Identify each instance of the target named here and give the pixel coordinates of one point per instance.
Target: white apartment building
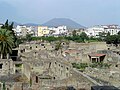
(22, 30)
(19, 29)
(113, 29)
(58, 31)
(95, 30)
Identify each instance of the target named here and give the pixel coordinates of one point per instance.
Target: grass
(18, 65)
(82, 66)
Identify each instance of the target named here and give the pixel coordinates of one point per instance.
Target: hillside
(63, 21)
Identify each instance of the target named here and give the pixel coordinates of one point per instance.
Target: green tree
(84, 36)
(113, 39)
(74, 33)
(102, 35)
(28, 37)
(6, 25)
(6, 42)
(50, 39)
(9, 27)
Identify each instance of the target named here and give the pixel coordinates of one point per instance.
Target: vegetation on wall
(82, 66)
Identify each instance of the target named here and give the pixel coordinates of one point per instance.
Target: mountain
(31, 24)
(26, 24)
(55, 22)
(63, 21)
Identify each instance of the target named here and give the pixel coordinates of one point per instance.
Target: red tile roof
(96, 55)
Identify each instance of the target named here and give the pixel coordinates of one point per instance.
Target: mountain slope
(30, 24)
(63, 21)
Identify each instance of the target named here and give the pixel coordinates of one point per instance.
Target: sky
(84, 12)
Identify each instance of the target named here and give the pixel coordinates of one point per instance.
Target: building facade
(58, 31)
(43, 31)
(22, 30)
(96, 30)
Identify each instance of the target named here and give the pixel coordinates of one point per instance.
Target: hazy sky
(85, 12)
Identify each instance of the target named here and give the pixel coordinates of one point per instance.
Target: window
(1, 66)
(21, 51)
(36, 79)
(30, 48)
(116, 66)
(112, 32)
(16, 71)
(24, 50)
(67, 68)
(42, 44)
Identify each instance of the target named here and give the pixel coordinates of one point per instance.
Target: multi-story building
(58, 31)
(43, 31)
(77, 31)
(112, 29)
(96, 30)
(22, 30)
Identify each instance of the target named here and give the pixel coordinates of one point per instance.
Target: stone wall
(6, 67)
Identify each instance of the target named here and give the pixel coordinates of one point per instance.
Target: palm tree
(6, 42)
(9, 27)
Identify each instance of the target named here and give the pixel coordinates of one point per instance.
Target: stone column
(7, 55)
(96, 59)
(1, 56)
(91, 59)
(99, 59)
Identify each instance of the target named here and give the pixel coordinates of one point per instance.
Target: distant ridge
(31, 24)
(26, 24)
(54, 23)
(63, 21)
